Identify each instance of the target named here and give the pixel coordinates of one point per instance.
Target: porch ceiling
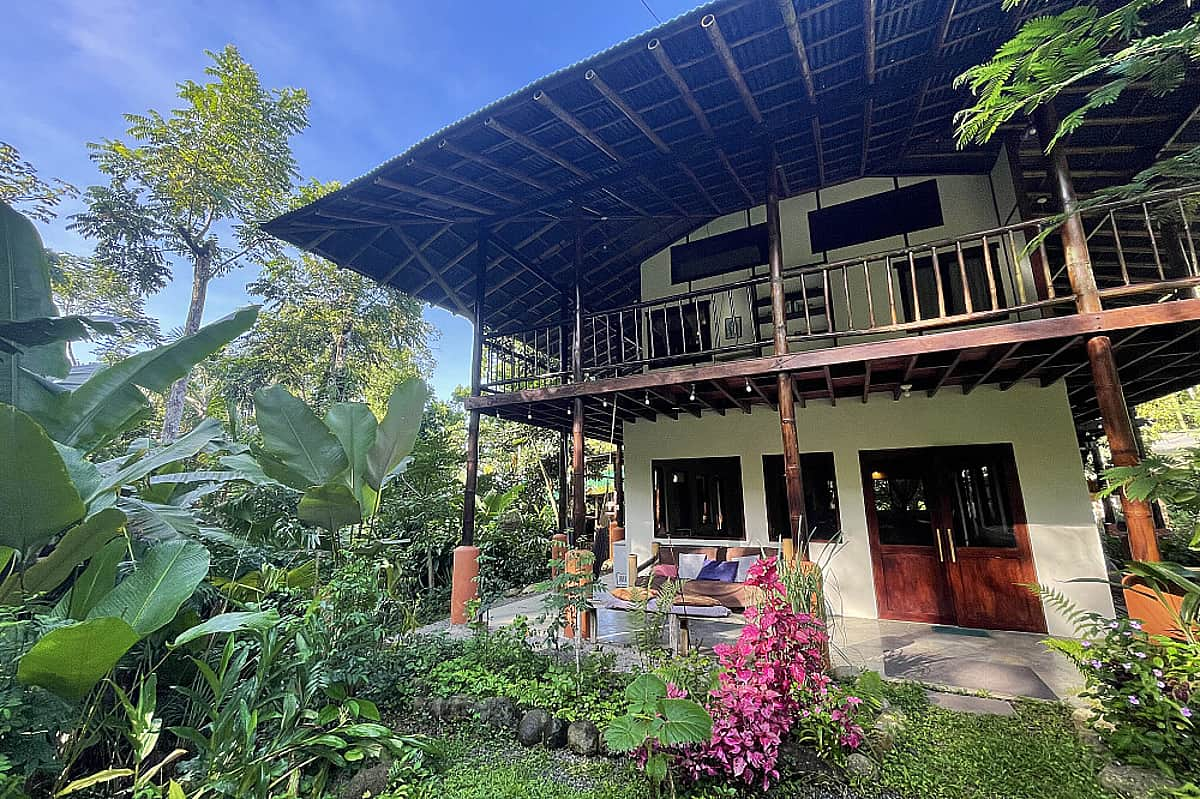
(662, 133)
(1157, 349)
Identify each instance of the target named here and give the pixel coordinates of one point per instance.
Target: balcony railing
(1142, 251)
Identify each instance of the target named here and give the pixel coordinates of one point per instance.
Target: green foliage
(20, 184)
(70, 661)
(940, 754)
(653, 721)
(1105, 49)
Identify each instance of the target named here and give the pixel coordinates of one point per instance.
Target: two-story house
(744, 248)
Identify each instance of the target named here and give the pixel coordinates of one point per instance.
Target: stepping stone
(979, 705)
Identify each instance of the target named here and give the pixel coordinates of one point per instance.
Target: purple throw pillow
(721, 572)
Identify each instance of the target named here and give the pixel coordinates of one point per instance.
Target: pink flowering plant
(770, 680)
(1146, 689)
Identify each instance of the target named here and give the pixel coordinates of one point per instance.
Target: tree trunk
(173, 413)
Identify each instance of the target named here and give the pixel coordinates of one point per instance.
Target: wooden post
(1114, 413)
(787, 400)
(464, 585)
(616, 528)
(564, 488)
(1074, 237)
(1118, 427)
(578, 485)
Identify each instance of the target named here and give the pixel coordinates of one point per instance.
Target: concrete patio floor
(1003, 664)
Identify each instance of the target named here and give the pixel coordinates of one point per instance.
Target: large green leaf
(229, 623)
(70, 661)
(37, 498)
(245, 467)
(96, 581)
(355, 427)
(685, 722)
(294, 435)
(78, 545)
(110, 400)
(331, 506)
(398, 431)
(19, 336)
(163, 580)
(25, 294)
(155, 521)
(208, 431)
(644, 694)
(626, 733)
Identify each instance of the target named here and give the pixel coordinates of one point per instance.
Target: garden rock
(499, 712)
(459, 708)
(1132, 781)
(556, 734)
(532, 728)
(369, 781)
(887, 727)
(583, 738)
(437, 708)
(862, 767)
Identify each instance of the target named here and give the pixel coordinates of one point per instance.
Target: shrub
(1147, 690)
(769, 678)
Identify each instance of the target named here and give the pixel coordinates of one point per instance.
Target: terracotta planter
(1158, 615)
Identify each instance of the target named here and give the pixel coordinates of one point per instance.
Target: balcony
(1142, 251)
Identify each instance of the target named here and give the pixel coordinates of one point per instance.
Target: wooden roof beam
(644, 411)
(493, 165)
(525, 264)
(427, 243)
(869, 38)
(434, 197)
(710, 26)
(1041, 363)
(1008, 354)
(451, 294)
(460, 180)
(829, 386)
(946, 374)
(866, 383)
(529, 144)
(818, 149)
(664, 62)
(761, 395)
(788, 11)
(727, 394)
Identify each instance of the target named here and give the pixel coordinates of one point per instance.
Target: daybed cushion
(690, 564)
(743, 565)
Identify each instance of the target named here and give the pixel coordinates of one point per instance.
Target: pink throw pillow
(663, 570)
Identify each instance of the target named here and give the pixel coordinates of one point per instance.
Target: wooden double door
(949, 542)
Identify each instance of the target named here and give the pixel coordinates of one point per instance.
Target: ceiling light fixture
(692, 396)
(748, 388)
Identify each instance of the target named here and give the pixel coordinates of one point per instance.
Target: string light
(605, 401)
(529, 412)
(647, 400)
(748, 389)
(692, 396)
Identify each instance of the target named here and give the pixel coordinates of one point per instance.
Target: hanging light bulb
(692, 396)
(529, 412)
(748, 389)
(570, 410)
(647, 400)
(605, 402)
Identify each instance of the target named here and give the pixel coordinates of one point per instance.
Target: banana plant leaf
(37, 498)
(355, 427)
(96, 581)
(78, 545)
(69, 661)
(331, 506)
(294, 436)
(17, 336)
(198, 438)
(163, 580)
(110, 400)
(229, 623)
(25, 294)
(245, 467)
(397, 432)
(154, 521)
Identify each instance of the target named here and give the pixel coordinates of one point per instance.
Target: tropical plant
(341, 463)
(1106, 52)
(220, 161)
(20, 184)
(658, 721)
(1145, 687)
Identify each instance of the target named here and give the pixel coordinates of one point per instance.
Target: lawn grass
(1034, 754)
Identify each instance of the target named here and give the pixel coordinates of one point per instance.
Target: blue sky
(380, 75)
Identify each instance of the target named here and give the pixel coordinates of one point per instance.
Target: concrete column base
(616, 534)
(576, 565)
(463, 586)
(558, 553)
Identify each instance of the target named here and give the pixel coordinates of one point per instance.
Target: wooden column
(464, 585)
(578, 486)
(1110, 396)
(1074, 237)
(787, 402)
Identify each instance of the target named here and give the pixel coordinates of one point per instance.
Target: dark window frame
(820, 487)
(713, 487)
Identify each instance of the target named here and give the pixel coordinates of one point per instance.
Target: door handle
(938, 536)
(950, 541)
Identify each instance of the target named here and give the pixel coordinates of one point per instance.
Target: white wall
(1036, 421)
(969, 203)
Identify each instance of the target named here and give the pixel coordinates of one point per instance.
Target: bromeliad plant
(658, 722)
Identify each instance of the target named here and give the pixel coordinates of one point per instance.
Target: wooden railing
(1142, 250)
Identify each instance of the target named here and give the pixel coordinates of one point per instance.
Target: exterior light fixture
(605, 401)
(906, 390)
(647, 400)
(748, 389)
(529, 412)
(692, 396)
